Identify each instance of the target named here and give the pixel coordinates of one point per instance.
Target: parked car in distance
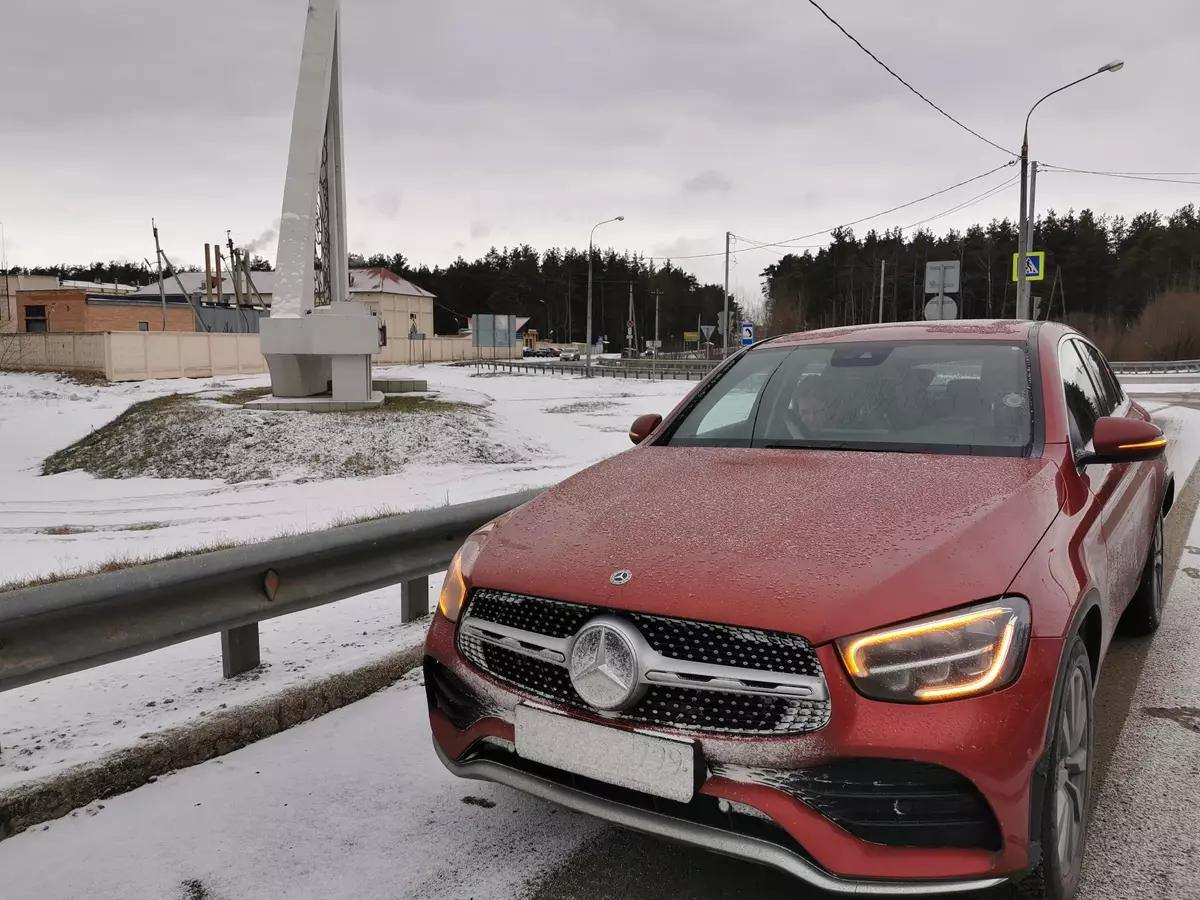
(867, 660)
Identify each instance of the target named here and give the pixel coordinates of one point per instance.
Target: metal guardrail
(58, 628)
(1155, 367)
(644, 373)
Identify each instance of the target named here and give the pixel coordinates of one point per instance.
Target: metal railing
(1155, 367)
(643, 372)
(66, 626)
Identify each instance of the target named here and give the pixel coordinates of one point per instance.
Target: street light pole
(1024, 230)
(591, 234)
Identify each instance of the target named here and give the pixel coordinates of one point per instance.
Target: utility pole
(725, 322)
(654, 359)
(570, 332)
(882, 270)
(1031, 216)
(208, 273)
(630, 335)
(1021, 311)
(234, 275)
(162, 288)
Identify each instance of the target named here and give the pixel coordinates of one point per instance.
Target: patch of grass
(144, 526)
(244, 395)
(65, 529)
(94, 454)
(583, 406)
(115, 564)
(403, 404)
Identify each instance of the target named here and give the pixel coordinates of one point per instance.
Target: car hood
(813, 542)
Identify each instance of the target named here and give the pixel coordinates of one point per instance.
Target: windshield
(968, 397)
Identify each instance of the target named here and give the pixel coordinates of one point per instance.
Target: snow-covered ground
(351, 805)
(562, 423)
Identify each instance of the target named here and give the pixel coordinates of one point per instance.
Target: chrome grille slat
(776, 687)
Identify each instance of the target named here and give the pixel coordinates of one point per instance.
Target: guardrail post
(414, 599)
(239, 649)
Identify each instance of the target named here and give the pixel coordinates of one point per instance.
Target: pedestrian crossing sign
(1035, 265)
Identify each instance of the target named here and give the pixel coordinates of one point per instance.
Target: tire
(1143, 615)
(1063, 831)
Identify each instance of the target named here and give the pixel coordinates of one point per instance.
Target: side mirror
(1124, 441)
(643, 425)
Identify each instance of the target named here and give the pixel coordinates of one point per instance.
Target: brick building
(77, 310)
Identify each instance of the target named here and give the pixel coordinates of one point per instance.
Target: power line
(1127, 175)
(893, 73)
(979, 198)
(792, 242)
(886, 212)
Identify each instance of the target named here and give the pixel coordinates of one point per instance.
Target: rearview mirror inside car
(1117, 440)
(643, 425)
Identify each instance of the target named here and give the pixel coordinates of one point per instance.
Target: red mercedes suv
(841, 612)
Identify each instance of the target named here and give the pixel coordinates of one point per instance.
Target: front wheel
(1144, 613)
(1065, 814)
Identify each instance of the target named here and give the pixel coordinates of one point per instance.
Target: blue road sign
(747, 334)
(1035, 266)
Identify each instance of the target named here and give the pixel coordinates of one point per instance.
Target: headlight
(454, 588)
(959, 654)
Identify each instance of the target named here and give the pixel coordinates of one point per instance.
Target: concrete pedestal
(321, 358)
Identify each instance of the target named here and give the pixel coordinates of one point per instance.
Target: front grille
(675, 707)
(895, 802)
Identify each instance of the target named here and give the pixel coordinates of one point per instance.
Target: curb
(32, 803)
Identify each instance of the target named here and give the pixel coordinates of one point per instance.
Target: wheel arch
(1087, 623)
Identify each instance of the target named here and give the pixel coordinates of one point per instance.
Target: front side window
(959, 397)
(1102, 375)
(1084, 403)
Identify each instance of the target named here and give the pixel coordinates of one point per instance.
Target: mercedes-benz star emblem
(604, 666)
(620, 577)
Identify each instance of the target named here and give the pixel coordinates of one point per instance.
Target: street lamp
(1025, 220)
(589, 291)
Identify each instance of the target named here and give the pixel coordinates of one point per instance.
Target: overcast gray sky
(472, 123)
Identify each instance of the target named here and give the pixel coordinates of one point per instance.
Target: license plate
(665, 767)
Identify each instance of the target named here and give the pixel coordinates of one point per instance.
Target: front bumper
(994, 741)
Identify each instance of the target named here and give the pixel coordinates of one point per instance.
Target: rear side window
(1084, 402)
(958, 397)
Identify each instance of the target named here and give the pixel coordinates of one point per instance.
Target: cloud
(385, 203)
(480, 230)
(707, 181)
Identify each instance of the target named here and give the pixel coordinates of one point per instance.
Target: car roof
(963, 329)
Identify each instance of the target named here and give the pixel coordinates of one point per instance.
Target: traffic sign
(1035, 265)
(690, 336)
(747, 334)
(941, 307)
(708, 330)
(941, 277)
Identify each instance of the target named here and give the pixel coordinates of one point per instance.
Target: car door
(1084, 406)
(1129, 490)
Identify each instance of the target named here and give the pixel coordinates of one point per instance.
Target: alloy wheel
(1072, 776)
